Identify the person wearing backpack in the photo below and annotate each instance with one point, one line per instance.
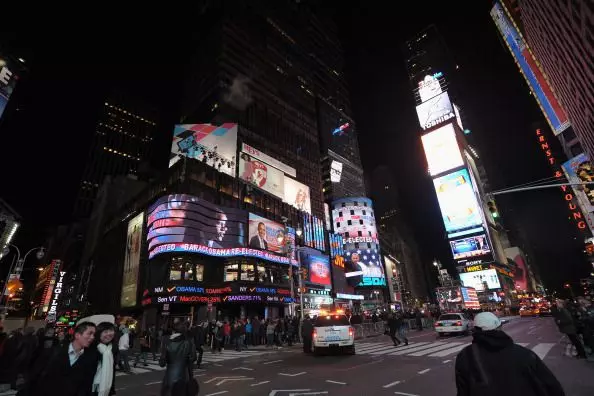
(495, 365)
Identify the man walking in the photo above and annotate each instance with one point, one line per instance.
(567, 326)
(494, 364)
(306, 334)
(393, 326)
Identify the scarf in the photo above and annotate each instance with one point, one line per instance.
(104, 376)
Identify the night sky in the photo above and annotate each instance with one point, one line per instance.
(44, 144)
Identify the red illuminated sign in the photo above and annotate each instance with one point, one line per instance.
(576, 213)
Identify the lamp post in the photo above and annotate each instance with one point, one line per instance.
(20, 263)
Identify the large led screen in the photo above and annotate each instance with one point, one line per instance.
(188, 224)
(535, 78)
(262, 175)
(297, 195)
(476, 279)
(265, 234)
(212, 144)
(441, 150)
(429, 88)
(132, 261)
(435, 111)
(8, 79)
(579, 170)
(354, 220)
(470, 298)
(318, 268)
(470, 247)
(457, 201)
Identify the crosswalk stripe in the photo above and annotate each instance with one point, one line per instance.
(542, 349)
(409, 346)
(450, 351)
(433, 344)
(435, 349)
(371, 349)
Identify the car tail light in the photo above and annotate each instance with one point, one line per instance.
(437, 324)
(315, 334)
(458, 323)
(351, 332)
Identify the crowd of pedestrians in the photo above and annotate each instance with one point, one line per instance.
(575, 319)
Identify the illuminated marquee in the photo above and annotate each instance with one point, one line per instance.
(229, 252)
(57, 291)
(576, 213)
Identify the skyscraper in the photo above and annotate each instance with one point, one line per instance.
(277, 70)
(122, 140)
(560, 34)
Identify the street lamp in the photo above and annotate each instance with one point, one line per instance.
(20, 263)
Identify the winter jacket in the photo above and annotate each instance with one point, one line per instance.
(511, 369)
(564, 321)
(307, 328)
(177, 354)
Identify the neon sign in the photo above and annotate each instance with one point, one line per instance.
(340, 129)
(57, 292)
(567, 192)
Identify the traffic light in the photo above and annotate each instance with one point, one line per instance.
(493, 209)
(567, 285)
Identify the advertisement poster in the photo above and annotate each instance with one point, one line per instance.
(257, 154)
(335, 171)
(318, 268)
(8, 80)
(477, 279)
(435, 111)
(132, 261)
(474, 246)
(297, 195)
(429, 88)
(442, 150)
(212, 144)
(579, 170)
(457, 201)
(262, 175)
(264, 234)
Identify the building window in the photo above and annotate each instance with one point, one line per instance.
(364, 213)
(352, 212)
(349, 222)
(361, 222)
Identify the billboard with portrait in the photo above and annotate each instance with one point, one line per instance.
(435, 111)
(8, 80)
(318, 267)
(297, 195)
(262, 175)
(579, 170)
(477, 279)
(264, 234)
(132, 261)
(442, 150)
(354, 220)
(457, 201)
(429, 88)
(470, 248)
(216, 145)
(531, 70)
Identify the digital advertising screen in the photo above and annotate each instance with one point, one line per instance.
(354, 220)
(435, 111)
(132, 261)
(530, 69)
(429, 88)
(442, 150)
(257, 154)
(263, 176)
(476, 279)
(457, 201)
(335, 171)
(212, 144)
(470, 298)
(263, 234)
(8, 80)
(297, 195)
(470, 247)
(313, 232)
(318, 268)
(579, 170)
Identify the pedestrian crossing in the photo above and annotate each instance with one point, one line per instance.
(436, 349)
(207, 358)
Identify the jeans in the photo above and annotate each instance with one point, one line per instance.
(577, 343)
(142, 355)
(402, 334)
(269, 340)
(124, 363)
(199, 353)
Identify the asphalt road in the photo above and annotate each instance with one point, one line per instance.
(425, 367)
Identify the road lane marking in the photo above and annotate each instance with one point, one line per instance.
(542, 349)
(292, 375)
(275, 391)
(447, 352)
(260, 383)
(273, 361)
(220, 378)
(217, 393)
(403, 352)
(524, 344)
(399, 393)
(424, 371)
(153, 383)
(391, 384)
(446, 361)
(377, 347)
(221, 382)
(308, 393)
(336, 382)
(435, 349)
(243, 368)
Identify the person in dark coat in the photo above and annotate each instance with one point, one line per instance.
(496, 363)
(566, 325)
(393, 326)
(199, 333)
(307, 329)
(104, 351)
(68, 370)
(177, 354)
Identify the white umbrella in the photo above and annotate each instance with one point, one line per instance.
(96, 319)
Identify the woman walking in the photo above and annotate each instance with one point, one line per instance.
(104, 353)
(177, 354)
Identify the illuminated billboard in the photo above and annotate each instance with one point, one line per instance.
(318, 268)
(579, 170)
(441, 150)
(297, 195)
(470, 298)
(8, 80)
(457, 201)
(435, 111)
(257, 154)
(478, 279)
(470, 248)
(264, 234)
(262, 175)
(313, 232)
(187, 224)
(354, 220)
(335, 171)
(530, 69)
(132, 261)
(214, 145)
(429, 88)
